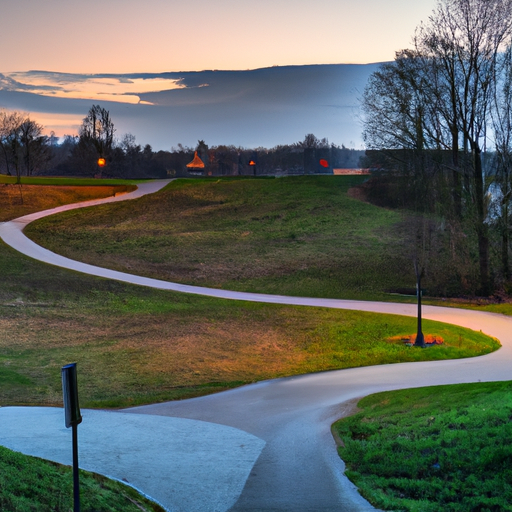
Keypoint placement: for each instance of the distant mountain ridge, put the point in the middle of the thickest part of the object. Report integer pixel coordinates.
(254, 108)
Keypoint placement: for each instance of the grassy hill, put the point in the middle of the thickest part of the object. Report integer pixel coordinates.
(296, 236)
(135, 345)
(429, 449)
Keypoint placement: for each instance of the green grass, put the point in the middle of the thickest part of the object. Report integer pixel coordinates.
(438, 448)
(29, 484)
(504, 309)
(135, 345)
(294, 236)
(16, 200)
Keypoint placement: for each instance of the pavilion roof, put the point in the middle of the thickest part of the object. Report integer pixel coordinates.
(196, 163)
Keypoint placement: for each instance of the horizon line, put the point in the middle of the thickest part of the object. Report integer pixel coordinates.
(106, 74)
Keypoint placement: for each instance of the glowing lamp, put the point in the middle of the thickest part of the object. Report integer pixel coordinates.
(101, 162)
(252, 162)
(324, 163)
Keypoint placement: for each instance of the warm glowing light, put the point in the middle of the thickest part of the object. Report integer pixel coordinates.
(324, 163)
(101, 162)
(252, 162)
(196, 163)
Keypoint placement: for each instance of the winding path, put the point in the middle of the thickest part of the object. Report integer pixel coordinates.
(263, 447)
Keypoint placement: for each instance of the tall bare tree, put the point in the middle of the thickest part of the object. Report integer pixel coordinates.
(98, 129)
(502, 129)
(24, 147)
(96, 139)
(464, 38)
(34, 146)
(439, 96)
(10, 123)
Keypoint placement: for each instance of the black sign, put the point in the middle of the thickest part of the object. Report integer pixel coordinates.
(70, 394)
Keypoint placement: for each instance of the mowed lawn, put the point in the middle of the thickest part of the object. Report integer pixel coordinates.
(135, 345)
(429, 449)
(29, 483)
(16, 201)
(295, 236)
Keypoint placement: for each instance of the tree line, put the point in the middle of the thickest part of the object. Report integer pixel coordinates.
(438, 119)
(25, 151)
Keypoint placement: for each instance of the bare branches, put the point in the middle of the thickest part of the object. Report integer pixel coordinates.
(23, 147)
(98, 129)
(441, 96)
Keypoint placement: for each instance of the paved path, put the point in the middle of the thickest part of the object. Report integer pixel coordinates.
(263, 447)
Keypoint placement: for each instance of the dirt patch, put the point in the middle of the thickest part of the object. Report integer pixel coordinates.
(410, 339)
(358, 193)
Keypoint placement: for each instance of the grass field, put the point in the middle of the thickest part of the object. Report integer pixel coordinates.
(29, 484)
(135, 345)
(65, 182)
(16, 201)
(440, 448)
(295, 236)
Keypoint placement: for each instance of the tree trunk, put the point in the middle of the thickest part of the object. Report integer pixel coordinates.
(481, 227)
(456, 183)
(420, 339)
(6, 156)
(504, 245)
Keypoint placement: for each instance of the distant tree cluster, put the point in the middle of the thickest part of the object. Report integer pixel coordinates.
(440, 118)
(25, 151)
(282, 159)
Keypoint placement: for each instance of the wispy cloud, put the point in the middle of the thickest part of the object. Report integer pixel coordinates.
(252, 108)
(119, 89)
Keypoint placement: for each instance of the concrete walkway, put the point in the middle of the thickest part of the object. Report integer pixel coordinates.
(182, 464)
(264, 447)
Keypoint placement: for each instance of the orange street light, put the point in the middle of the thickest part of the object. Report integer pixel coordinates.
(101, 162)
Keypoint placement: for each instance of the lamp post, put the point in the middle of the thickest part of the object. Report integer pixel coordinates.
(420, 339)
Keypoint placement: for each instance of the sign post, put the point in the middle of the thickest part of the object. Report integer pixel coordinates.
(73, 418)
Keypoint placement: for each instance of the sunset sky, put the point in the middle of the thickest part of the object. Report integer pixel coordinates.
(60, 56)
(126, 36)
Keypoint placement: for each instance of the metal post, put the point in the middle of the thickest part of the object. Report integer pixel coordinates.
(76, 482)
(420, 340)
(73, 418)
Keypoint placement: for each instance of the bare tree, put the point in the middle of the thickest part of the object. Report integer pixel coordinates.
(34, 146)
(98, 129)
(464, 38)
(96, 139)
(10, 123)
(439, 97)
(394, 105)
(502, 128)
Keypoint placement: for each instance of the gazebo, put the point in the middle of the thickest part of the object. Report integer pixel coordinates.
(196, 166)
